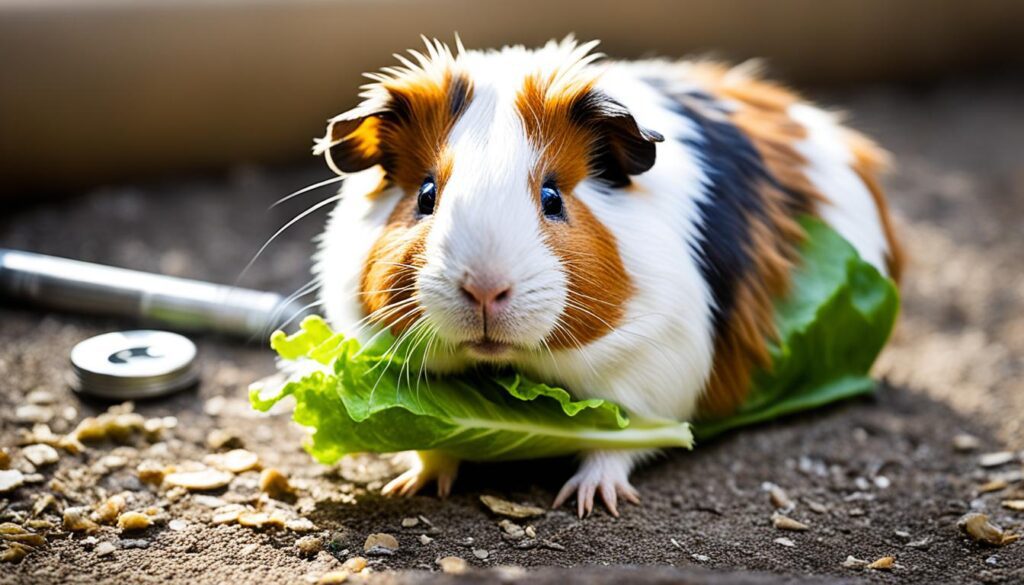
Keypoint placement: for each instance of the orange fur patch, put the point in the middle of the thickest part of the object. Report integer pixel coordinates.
(598, 286)
(423, 106)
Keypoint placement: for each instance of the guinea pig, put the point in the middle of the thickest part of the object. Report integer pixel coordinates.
(617, 228)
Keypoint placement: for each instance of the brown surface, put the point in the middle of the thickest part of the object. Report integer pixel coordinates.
(109, 90)
(955, 363)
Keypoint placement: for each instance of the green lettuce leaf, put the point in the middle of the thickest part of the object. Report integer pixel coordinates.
(374, 398)
(831, 326)
(366, 399)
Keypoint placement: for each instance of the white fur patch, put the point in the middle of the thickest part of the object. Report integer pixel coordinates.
(851, 210)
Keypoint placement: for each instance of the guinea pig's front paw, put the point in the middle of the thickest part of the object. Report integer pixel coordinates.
(604, 472)
(426, 466)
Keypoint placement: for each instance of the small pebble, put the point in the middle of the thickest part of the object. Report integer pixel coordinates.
(452, 565)
(410, 522)
(354, 564)
(964, 443)
(381, 540)
(424, 539)
(309, 545)
(177, 525)
(76, 519)
(218, 439)
(235, 461)
(531, 532)
(921, 544)
(105, 548)
(33, 413)
(275, 484)
(882, 482)
(700, 558)
(510, 509)
(11, 479)
(978, 527)
(785, 542)
(40, 454)
(853, 562)
(40, 397)
(992, 560)
(133, 521)
(134, 543)
(481, 553)
(109, 510)
(512, 530)
(996, 459)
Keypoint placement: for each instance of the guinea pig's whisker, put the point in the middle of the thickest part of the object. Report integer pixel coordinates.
(299, 312)
(294, 220)
(312, 187)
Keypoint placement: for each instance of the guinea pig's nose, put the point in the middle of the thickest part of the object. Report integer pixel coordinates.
(487, 295)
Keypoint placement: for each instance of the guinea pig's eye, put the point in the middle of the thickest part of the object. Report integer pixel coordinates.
(426, 197)
(551, 201)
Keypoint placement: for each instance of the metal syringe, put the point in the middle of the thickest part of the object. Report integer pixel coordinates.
(176, 303)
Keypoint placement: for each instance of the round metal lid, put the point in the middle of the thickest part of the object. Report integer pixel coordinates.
(128, 365)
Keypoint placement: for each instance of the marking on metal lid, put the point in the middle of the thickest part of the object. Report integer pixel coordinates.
(133, 364)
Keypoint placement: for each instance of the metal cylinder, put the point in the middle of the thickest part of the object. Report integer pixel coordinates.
(177, 303)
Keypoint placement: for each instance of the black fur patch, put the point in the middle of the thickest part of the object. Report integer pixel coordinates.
(459, 93)
(736, 171)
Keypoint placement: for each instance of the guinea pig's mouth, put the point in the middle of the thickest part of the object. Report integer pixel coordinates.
(489, 349)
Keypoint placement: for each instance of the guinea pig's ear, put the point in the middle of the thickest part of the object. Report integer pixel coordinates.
(624, 148)
(352, 141)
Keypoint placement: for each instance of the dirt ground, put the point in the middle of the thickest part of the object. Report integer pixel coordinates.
(872, 478)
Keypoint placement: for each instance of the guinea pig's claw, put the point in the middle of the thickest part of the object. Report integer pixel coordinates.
(426, 466)
(587, 483)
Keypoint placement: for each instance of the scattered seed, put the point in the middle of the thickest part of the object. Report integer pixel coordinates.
(33, 413)
(425, 540)
(150, 472)
(978, 527)
(40, 524)
(5, 458)
(552, 545)
(511, 529)
(333, 578)
(14, 553)
(134, 543)
(992, 486)
(382, 540)
(252, 519)
(424, 520)
(132, 521)
(309, 546)
(786, 523)
(785, 542)
(204, 480)
(531, 532)
(218, 439)
(882, 482)
(883, 564)
(40, 454)
(452, 565)
(177, 525)
(778, 497)
(506, 508)
(300, 525)
(963, 442)
(235, 461)
(996, 459)
(40, 397)
(354, 564)
(208, 501)
(481, 553)
(1015, 505)
(853, 562)
(700, 558)
(275, 484)
(109, 510)
(410, 522)
(12, 533)
(105, 549)
(76, 520)
(921, 544)
(11, 479)
(227, 514)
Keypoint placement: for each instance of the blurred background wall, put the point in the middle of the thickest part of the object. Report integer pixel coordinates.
(96, 91)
